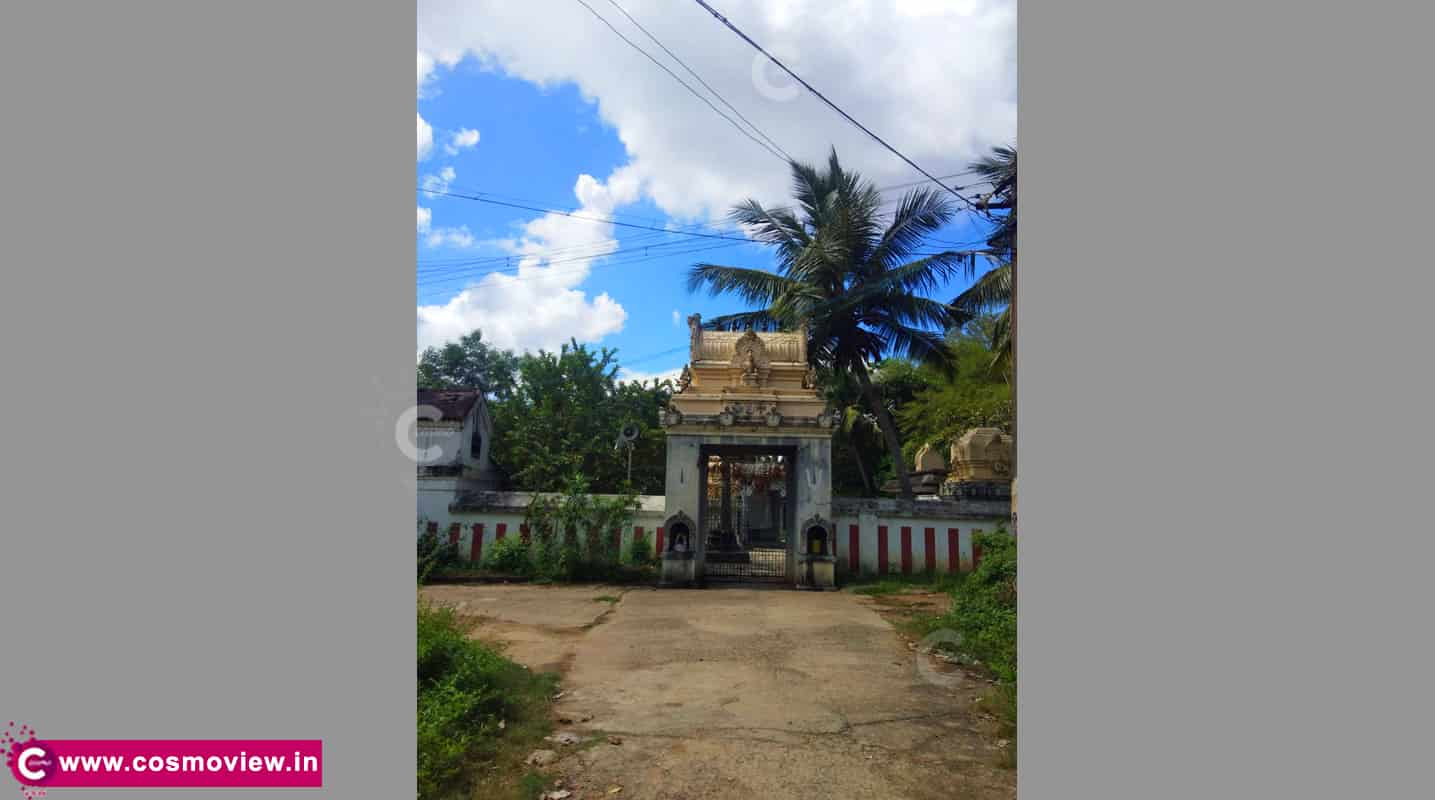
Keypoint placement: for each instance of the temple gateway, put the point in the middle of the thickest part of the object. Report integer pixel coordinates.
(748, 490)
(749, 463)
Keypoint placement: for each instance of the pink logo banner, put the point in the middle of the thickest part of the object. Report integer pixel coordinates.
(167, 763)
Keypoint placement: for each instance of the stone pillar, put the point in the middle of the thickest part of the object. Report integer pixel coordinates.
(814, 494)
(683, 482)
(726, 498)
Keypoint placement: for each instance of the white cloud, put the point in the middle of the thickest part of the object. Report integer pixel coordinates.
(425, 138)
(441, 181)
(677, 319)
(427, 65)
(541, 305)
(461, 139)
(459, 237)
(425, 219)
(937, 79)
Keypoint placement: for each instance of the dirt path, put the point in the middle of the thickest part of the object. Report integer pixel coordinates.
(744, 693)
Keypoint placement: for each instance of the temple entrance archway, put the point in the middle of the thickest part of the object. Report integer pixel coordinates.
(749, 458)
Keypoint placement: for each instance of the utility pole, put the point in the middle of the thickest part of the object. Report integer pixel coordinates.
(985, 204)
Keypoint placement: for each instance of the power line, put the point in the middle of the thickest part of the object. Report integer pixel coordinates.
(699, 78)
(643, 250)
(487, 197)
(517, 199)
(775, 153)
(652, 356)
(645, 256)
(641, 259)
(438, 275)
(572, 215)
(832, 105)
(594, 249)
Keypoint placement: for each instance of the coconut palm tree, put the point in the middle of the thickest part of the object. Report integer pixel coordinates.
(994, 290)
(855, 277)
(998, 287)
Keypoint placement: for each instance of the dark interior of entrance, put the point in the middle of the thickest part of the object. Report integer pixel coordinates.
(748, 511)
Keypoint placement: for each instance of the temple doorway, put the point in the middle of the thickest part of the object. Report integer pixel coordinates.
(748, 512)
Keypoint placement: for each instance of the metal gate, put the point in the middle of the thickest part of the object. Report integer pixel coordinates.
(747, 513)
(751, 564)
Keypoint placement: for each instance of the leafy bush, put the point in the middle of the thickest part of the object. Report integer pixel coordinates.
(509, 556)
(479, 714)
(573, 535)
(984, 606)
(433, 552)
(460, 700)
(640, 553)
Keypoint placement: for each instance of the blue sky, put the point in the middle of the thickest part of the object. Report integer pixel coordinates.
(601, 132)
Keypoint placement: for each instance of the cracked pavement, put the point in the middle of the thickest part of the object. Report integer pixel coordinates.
(736, 692)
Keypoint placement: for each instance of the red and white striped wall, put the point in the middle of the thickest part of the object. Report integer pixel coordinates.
(871, 536)
(475, 531)
(887, 545)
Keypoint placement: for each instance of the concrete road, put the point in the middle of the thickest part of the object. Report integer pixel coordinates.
(744, 693)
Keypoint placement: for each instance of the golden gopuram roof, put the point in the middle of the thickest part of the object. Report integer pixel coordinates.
(749, 381)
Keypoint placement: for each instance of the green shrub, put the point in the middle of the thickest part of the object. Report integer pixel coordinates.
(640, 553)
(460, 698)
(433, 552)
(509, 556)
(984, 606)
(573, 534)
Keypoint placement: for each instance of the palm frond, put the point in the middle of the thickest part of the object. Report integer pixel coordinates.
(991, 291)
(919, 214)
(743, 319)
(1001, 344)
(916, 343)
(998, 168)
(910, 309)
(927, 274)
(754, 286)
(770, 226)
(810, 191)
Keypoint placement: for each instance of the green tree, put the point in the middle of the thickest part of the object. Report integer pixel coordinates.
(857, 444)
(965, 396)
(852, 276)
(469, 362)
(564, 416)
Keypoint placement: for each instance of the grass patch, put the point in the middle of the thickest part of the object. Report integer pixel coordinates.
(921, 623)
(479, 714)
(605, 598)
(530, 787)
(877, 585)
(984, 614)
